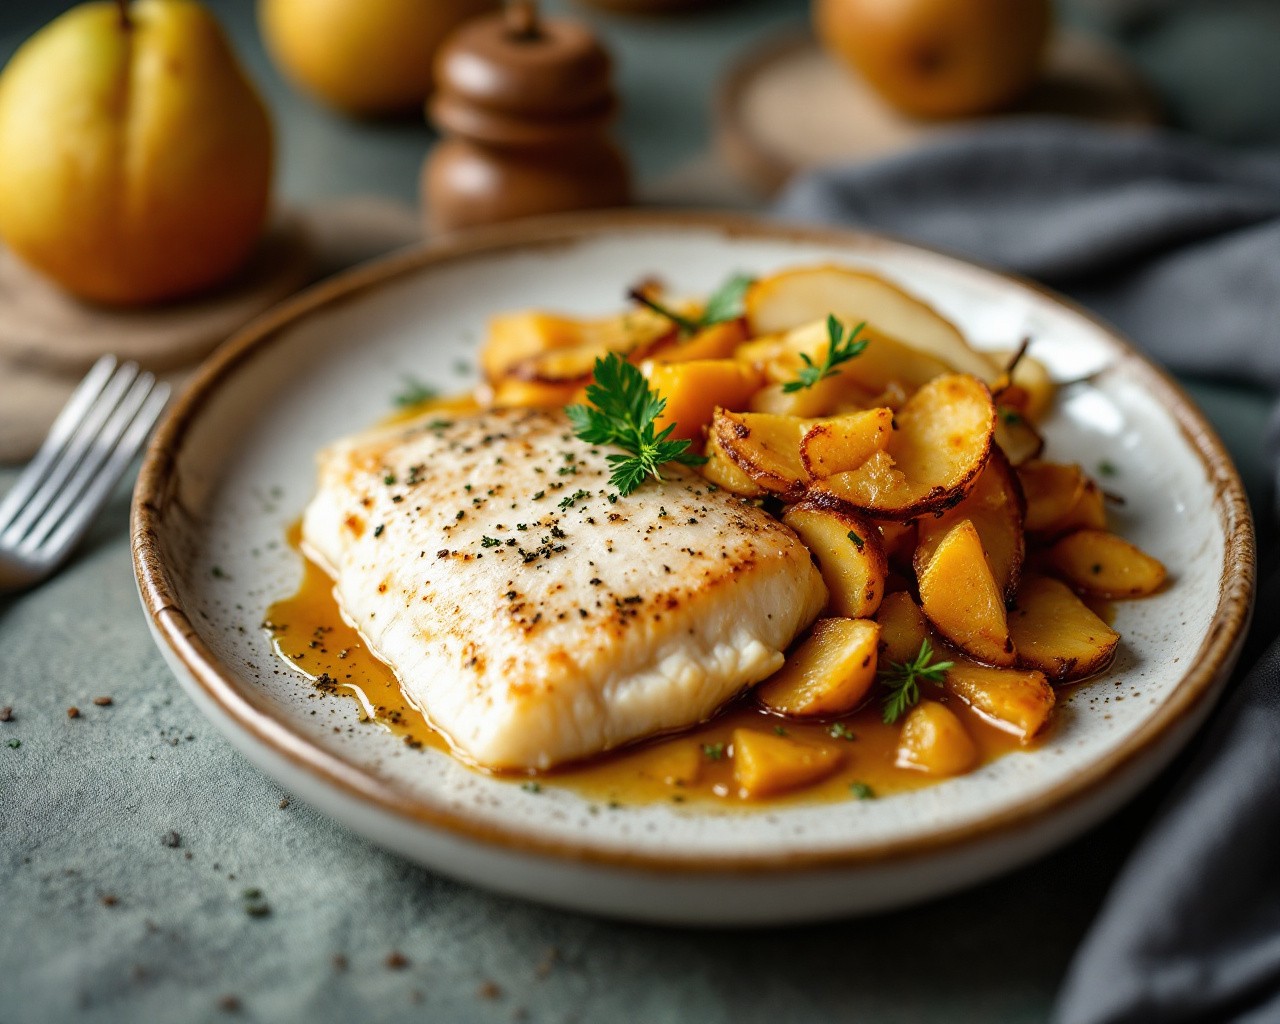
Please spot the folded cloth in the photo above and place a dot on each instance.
(1177, 243)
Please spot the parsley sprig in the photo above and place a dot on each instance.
(724, 304)
(903, 678)
(414, 392)
(622, 412)
(840, 349)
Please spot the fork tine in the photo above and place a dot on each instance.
(85, 394)
(99, 451)
(59, 544)
(81, 440)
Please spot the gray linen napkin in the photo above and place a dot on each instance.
(1179, 245)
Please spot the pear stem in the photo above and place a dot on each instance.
(125, 22)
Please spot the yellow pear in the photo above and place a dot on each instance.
(135, 157)
(939, 58)
(362, 57)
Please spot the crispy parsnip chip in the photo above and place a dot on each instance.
(942, 443)
(843, 443)
(765, 447)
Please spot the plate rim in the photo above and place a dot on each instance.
(226, 689)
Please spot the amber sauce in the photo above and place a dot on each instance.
(694, 766)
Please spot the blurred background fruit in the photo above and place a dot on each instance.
(939, 58)
(362, 57)
(135, 157)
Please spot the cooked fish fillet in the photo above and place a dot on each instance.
(531, 613)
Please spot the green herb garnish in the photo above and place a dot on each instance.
(1107, 468)
(414, 392)
(724, 304)
(841, 347)
(903, 679)
(622, 412)
(840, 731)
(713, 751)
(858, 542)
(861, 791)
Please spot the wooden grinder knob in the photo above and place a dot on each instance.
(524, 103)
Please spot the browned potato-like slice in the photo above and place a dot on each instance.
(822, 399)
(960, 596)
(1052, 490)
(719, 341)
(1100, 563)
(1017, 701)
(843, 443)
(1015, 435)
(1033, 383)
(1056, 633)
(1088, 513)
(533, 345)
(995, 508)
(942, 442)
(724, 472)
(515, 337)
(848, 552)
(765, 763)
(795, 297)
(765, 447)
(933, 740)
(903, 628)
(828, 674)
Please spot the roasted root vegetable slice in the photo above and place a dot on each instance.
(848, 553)
(942, 443)
(899, 540)
(525, 344)
(510, 393)
(792, 298)
(1055, 632)
(719, 341)
(995, 507)
(693, 389)
(843, 443)
(1061, 498)
(1031, 389)
(960, 596)
(765, 447)
(933, 740)
(1100, 563)
(1017, 438)
(724, 472)
(765, 763)
(903, 629)
(828, 674)
(822, 399)
(1017, 701)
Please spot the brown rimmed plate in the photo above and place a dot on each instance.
(232, 466)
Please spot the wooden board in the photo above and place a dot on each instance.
(48, 340)
(790, 107)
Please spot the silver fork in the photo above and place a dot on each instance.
(89, 447)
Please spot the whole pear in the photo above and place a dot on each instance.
(939, 58)
(362, 57)
(135, 157)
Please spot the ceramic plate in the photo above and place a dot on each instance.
(232, 467)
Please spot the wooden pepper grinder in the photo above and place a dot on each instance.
(523, 103)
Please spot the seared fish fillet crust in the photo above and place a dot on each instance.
(531, 613)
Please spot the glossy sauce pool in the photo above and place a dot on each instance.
(310, 633)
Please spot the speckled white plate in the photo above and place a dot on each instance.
(232, 466)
